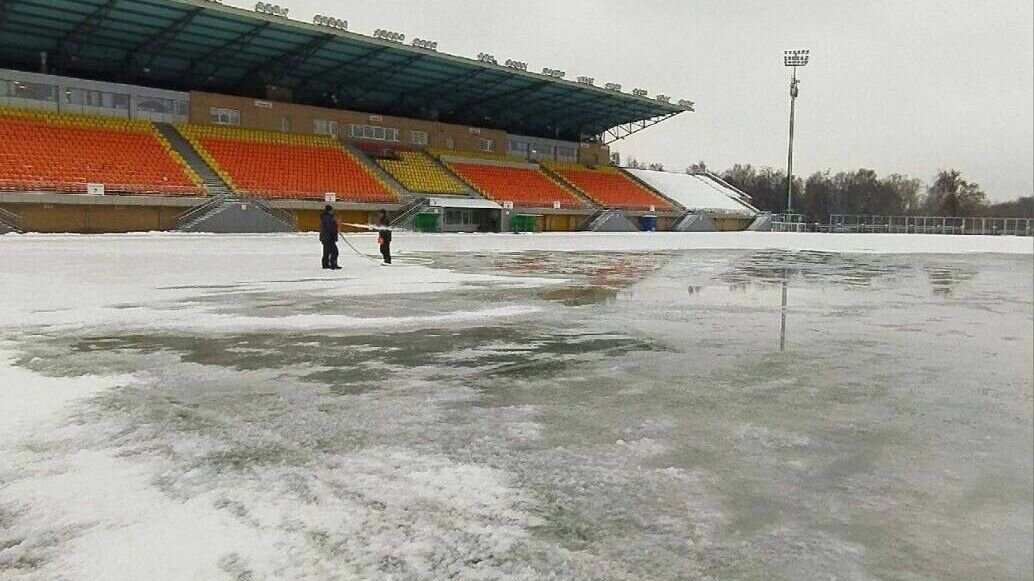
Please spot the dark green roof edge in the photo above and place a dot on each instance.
(202, 45)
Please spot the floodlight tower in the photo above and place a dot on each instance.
(792, 58)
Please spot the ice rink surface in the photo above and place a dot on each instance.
(587, 407)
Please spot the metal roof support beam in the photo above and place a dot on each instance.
(275, 70)
(628, 129)
(83, 30)
(448, 85)
(510, 96)
(153, 46)
(368, 86)
(227, 48)
(574, 123)
(561, 107)
(337, 67)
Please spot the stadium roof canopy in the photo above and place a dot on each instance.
(203, 45)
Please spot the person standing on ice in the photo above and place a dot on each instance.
(328, 236)
(384, 236)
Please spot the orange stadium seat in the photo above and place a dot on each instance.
(281, 165)
(45, 151)
(609, 187)
(524, 187)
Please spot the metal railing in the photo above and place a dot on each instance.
(11, 220)
(408, 212)
(186, 218)
(276, 213)
(929, 225)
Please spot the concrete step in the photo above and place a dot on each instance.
(563, 183)
(385, 177)
(215, 184)
(470, 192)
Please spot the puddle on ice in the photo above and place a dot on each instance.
(673, 415)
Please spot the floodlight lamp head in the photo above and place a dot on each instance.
(796, 58)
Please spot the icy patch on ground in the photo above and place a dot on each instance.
(215, 407)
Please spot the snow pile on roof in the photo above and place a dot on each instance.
(695, 192)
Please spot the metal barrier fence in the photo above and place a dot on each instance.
(930, 225)
(908, 225)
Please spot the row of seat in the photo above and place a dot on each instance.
(280, 165)
(486, 155)
(114, 123)
(610, 188)
(524, 186)
(419, 173)
(46, 151)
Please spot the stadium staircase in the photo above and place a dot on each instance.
(675, 205)
(230, 214)
(762, 223)
(694, 222)
(224, 211)
(560, 181)
(469, 191)
(215, 185)
(610, 187)
(522, 183)
(10, 222)
(386, 178)
(740, 194)
(604, 220)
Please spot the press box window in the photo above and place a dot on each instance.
(32, 91)
(324, 127)
(486, 144)
(221, 116)
(418, 137)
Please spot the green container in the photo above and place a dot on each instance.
(523, 223)
(426, 222)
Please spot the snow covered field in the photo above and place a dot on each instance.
(179, 407)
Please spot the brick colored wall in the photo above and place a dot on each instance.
(268, 118)
(90, 219)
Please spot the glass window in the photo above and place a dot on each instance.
(221, 116)
(378, 133)
(486, 144)
(542, 149)
(324, 127)
(566, 153)
(418, 137)
(285, 124)
(182, 108)
(75, 96)
(519, 146)
(391, 134)
(119, 101)
(153, 105)
(34, 91)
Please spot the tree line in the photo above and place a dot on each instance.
(863, 192)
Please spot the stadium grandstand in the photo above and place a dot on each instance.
(124, 115)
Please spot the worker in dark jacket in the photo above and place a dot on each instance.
(384, 236)
(328, 236)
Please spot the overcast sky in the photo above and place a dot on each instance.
(898, 86)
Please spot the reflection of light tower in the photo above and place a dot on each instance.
(792, 58)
